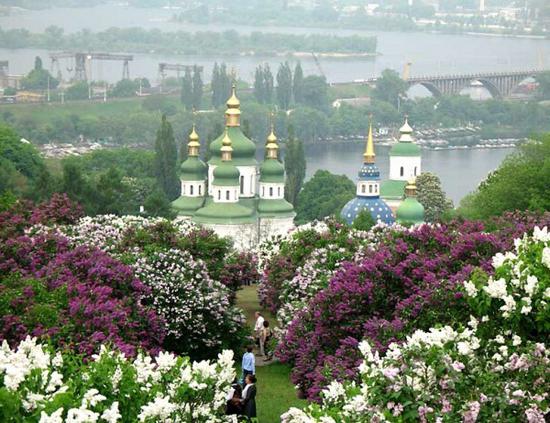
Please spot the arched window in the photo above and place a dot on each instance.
(401, 171)
(227, 195)
(271, 191)
(376, 188)
(219, 194)
(370, 189)
(415, 171)
(363, 188)
(191, 189)
(279, 191)
(242, 185)
(200, 190)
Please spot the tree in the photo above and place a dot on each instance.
(78, 91)
(259, 85)
(166, 160)
(295, 167)
(543, 80)
(39, 78)
(323, 195)
(430, 194)
(197, 88)
(284, 86)
(157, 204)
(215, 86)
(315, 92)
(390, 87)
(363, 221)
(268, 84)
(520, 183)
(297, 84)
(125, 88)
(187, 90)
(183, 154)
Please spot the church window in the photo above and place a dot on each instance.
(200, 190)
(191, 189)
(227, 195)
(263, 191)
(376, 188)
(242, 185)
(401, 171)
(271, 191)
(415, 171)
(370, 189)
(279, 191)
(363, 189)
(219, 194)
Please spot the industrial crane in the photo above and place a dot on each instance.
(83, 60)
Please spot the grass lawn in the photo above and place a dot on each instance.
(276, 393)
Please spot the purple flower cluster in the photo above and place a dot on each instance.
(409, 282)
(77, 298)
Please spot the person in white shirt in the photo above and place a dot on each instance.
(258, 327)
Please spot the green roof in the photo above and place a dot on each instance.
(193, 169)
(226, 175)
(405, 149)
(275, 208)
(272, 170)
(186, 206)
(392, 189)
(244, 150)
(224, 213)
(410, 212)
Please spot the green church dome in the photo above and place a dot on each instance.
(193, 169)
(272, 170)
(275, 208)
(244, 150)
(224, 213)
(410, 212)
(405, 149)
(226, 174)
(186, 206)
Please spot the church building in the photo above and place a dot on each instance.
(233, 194)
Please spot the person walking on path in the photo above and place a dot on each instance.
(249, 362)
(259, 325)
(249, 398)
(265, 334)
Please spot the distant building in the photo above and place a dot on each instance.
(232, 194)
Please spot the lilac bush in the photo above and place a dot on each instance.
(408, 282)
(490, 366)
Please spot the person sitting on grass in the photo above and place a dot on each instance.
(249, 398)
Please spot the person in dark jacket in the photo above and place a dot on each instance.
(249, 397)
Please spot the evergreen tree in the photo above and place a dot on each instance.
(166, 157)
(259, 84)
(182, 156)
(284, 86)
(197, 88)
(295, 167)
(187, 90)
(297, 84)
(268, 84)
(215, 86)
(225, 84)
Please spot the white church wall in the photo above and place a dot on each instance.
(403, 168)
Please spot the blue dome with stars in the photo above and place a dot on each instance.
(377, 208)
(369, 172)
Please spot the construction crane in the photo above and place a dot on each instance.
(82, 62)
(316, 59)
(163, 67)
(406, 71)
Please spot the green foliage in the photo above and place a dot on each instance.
(39, 78)
(430, 194)
(323, 195)
(520, 183)
(363, 221)
(295, 167)
(263, 84)
(298, 83)
(187, 90)
(197, 88)
(389, 87)
(544, 85)
(220, 85)
(157, 204)
(125, 88)
(166, 160)
(314, 92)
(284, 86)
(78, 91)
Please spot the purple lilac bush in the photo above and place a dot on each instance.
(409, 282)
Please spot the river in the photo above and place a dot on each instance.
(430, 53)
(460, 170)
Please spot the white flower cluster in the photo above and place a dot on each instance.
(166, 388)
(193, 306)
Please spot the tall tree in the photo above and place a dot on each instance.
(187, 90)
(225, 84)
(390, 87)
(259, 84)
(215, 86)
(315, 92)
(430, 194)
(198, 87)
(297, 83)
(295, 167)
(268, 84)
(166, 157)
(284, 86)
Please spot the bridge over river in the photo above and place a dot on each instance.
(499, 84)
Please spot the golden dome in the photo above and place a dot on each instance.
(233, 112)
(233, 102)
(193, 146)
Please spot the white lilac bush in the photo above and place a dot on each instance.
(492, 368)
(39, 385)
(196, 309)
